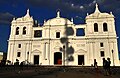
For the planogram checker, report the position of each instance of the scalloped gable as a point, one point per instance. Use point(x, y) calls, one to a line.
point(27, 17)
point(98, 14)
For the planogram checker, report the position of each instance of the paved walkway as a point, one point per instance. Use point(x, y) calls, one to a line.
point(57, 73)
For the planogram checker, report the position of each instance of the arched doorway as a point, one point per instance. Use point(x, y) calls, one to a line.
point(58, 58)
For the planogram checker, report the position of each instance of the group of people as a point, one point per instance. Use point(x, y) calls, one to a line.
point(106, 65)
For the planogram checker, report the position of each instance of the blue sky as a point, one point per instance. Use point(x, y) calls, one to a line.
point(46, 9)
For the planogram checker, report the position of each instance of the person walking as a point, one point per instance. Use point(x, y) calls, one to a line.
point(95, 64)
point(108, 66)
point(105, 66)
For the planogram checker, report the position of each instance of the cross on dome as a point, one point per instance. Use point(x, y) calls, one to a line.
point(58, 14)
point(28, 11)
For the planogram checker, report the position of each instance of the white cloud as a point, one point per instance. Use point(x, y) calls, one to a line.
point(81, 7)
point(72, 5)
point(5, 18)
point(94, 1)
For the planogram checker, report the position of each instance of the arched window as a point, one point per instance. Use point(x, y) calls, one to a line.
point(105, 27)
point(17, 31)
point(95, 27)
point(24, 30)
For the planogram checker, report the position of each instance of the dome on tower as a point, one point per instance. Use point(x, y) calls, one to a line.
point(58, 20)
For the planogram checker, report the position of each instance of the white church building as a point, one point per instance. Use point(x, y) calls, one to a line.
point(61, 42)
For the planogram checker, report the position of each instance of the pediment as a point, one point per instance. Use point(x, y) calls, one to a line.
point(80, 51)
point(36, 51)
point(56, 47)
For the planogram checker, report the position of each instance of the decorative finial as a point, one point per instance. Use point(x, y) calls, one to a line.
point(14, 18)
point(87, 14)
point(58, 14)
point(71, 19)
point(28, 11)
point(111, 13)
point(97, 10)
point(44, 20)
point(28, 14)
point(36, 22)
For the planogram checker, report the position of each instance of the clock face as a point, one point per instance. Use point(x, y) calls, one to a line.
point(38, 33)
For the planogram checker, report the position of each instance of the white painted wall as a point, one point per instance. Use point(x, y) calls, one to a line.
point(48, 44)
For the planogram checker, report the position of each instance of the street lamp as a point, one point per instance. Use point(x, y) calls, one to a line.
point(27, 56)
point(63, 55)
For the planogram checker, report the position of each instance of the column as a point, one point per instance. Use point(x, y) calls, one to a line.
point(88, 53)
point(13, 52)
point(91, 52)
point(25, 49)
point(44, 48)
point(93, 48)
point(30, 58)
point(46, 51)
point(115, 54)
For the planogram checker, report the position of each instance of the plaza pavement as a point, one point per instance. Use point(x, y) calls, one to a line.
point(57, 72)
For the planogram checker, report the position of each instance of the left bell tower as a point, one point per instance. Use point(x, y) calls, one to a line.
point(20, 36)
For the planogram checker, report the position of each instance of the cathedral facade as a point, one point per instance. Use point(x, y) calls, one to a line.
point(61, 42)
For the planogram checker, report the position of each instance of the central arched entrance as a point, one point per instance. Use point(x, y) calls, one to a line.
point(58, 58)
